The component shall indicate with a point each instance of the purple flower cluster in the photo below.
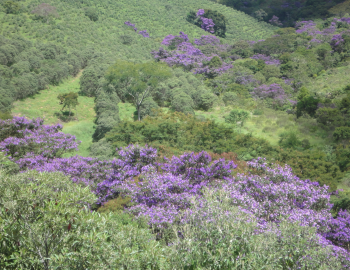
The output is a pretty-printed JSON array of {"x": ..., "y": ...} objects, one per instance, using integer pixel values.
[
  {"x": 268, "y": 59},
  {"x": 308, "y": 27},
  {"x": 207, "y": 24},
  {"x": 273, "y": 91},
  {"x": 162, "y": 191},
  {"x": 190, "y": 57},
  {"x": 130, "y": 24},
  {"x": 344, "y": 20},
  {"x": 104, "y": 177},
  {"x": 161, "y": 197},
  {"x": 207, "y": 40},
  {"x": 336, "y": 41},
  {"x": 143, "y": 32},
  {"x": 169, "y": 39},
  {"x": 339, "y": 232},
  {"x": 31, "y": 137}
]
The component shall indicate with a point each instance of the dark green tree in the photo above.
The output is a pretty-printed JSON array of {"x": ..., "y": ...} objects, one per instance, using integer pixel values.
[
  {"x": 182, "y": 102},
  {"x": 11, "y": 7},
  {"x": 236, "y": 116},
  {"x": 107, "y": 111},
  {"x": 308, "y": 105},
  {"x": 92, "y": 14},
  {"x": 148, "y": 107},
  {"x": 219, "y": 21}
]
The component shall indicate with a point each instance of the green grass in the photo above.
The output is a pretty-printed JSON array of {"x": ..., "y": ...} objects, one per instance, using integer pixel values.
[
  {"x": 45, "y": 104},
  {"x": 269, "y": 125},
  {"x": 330, "y": 81},
  {"x": 126, "y": 111}
]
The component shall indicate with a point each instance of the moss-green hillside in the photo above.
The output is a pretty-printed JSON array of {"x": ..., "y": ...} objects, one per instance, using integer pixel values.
[{"x": 159, "y": 17}]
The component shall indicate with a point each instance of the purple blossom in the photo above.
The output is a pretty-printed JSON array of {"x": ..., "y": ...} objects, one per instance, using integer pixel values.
[
  {"x": 268, "y": 59},
  {"x": 207, "y": 40},
  {"x": 143, "y": 32},
  {"x": 207, "y": 24},
  {"x": 273, "y": 91},
  {"x": 165, "y": 192}
]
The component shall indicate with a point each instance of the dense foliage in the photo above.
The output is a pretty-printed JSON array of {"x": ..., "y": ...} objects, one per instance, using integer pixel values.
[
  {"x": 176, "y": 197},
  {"x": 187, "y": 192}
]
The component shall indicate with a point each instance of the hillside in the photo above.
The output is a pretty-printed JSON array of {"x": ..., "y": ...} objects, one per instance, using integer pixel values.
[
  {"x": 341, "y": 9},
  {"x": 174, "y": 135}
]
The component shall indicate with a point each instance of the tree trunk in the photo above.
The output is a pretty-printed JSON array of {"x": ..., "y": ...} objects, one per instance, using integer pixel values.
[{"x": 138, "y": 112}]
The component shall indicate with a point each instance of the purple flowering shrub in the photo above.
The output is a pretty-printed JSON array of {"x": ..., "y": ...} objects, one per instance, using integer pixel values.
[
  {"x": 142, "y": 32},
  {"x": 339, "y": 232},
  {"x": 207, "y": 24},
  {"x": 165, "y": 192},
  {"x": 273, "y": 93},
  {"x": 267, "y": 59},
  {"x": 185, "y": 54},
  {"x": 34, "y": 138},
  {"x": 102, "y": 176}
]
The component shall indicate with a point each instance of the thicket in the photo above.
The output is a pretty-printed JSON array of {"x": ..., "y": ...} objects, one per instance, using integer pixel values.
[
  {"x": 174, "y": 133},
  {"x": 171, "y": 208}
]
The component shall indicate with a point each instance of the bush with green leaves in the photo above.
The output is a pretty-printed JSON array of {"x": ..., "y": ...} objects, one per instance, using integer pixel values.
[
  {"x": 39, "y": 213},
  {"x": 218, "y": 236},
  {"x": 236, "y": 116},
  {"x": 45, "y": 223},
  {"x": 92, "y": 14}
]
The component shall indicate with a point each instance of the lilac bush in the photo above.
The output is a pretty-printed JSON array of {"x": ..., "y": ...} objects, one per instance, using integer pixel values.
[
  {"x": 32, "y": 137},
  {"x": 207, "y": 40},
  {"x": 339, "y": 232},
  {"x": 164, "y": 193},
  {"x": 207, "y": 24},
  {"x": 143, "y": 32},
  {"x": 102, "y": 176},
  {"x": 273, "y": 91},
  {"x": 336, "y": 42},
  {"x": 308, "y": 27},
  {"x": 191, "y": 58},
  {"x": 267, "y": 59}
]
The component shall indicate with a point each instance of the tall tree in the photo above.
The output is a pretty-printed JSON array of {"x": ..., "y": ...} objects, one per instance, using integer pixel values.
[{"x": 136, "y": 81}]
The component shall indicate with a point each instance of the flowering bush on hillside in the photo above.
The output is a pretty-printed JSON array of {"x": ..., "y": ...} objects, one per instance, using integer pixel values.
[
  {"x": 191, "y": 58},
  {"x": 165, "y": 192}
]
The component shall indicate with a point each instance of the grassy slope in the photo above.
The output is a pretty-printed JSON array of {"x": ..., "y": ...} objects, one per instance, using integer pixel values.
[
  {"x": 332, "y": 80},
  {"x": 341, "y": 9},
  {"x": 74, "y": 30},
  {"x": 45, "y": 104}
]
